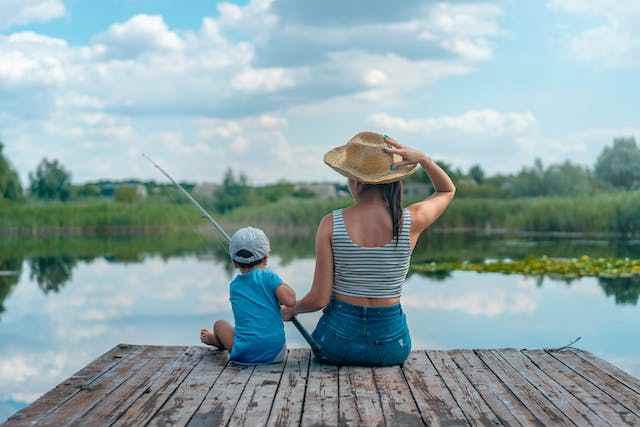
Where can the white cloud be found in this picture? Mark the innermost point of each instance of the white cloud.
(263, 80)
(20, 12)
(487, 122)
(615, 42)
(140, 34)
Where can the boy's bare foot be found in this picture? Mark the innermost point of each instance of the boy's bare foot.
(209, 338)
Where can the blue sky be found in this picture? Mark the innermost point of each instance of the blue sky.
(267, 86)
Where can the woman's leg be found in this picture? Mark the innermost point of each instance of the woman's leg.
(221, 336)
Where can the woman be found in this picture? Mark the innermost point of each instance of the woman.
(363, 253)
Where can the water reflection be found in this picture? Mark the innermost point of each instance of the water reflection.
(71, 299)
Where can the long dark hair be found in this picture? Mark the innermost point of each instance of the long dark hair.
(392, 194)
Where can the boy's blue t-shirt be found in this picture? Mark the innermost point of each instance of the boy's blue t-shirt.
(259, 327)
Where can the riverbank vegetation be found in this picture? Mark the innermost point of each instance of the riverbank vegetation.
(559, 198)
(603, 213)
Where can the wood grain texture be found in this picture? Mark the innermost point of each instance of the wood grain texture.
(109, 409)
(592, 396)
(436, 404)
(467, 397)
(221, 400)
(181, 406)
(610, 385)
(39, 409)
(254, 406)
(506, 406)
(543, 409)
(398, 405)
(359, 398)
(148, 404)
(289, 400)
(197, 386)
(321, 397)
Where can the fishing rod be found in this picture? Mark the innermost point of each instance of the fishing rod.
(312, 343)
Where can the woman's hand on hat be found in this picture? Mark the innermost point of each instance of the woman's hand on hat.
(410, 156)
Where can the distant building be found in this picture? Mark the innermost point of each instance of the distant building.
(320, 190)
(141, 191)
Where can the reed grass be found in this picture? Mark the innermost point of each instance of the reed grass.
(613, 213)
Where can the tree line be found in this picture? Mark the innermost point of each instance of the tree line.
(617, 168)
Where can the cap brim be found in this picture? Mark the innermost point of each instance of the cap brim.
(336, 160)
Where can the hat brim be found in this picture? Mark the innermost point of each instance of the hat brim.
(336, 160)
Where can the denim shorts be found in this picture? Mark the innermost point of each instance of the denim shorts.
(363, 336)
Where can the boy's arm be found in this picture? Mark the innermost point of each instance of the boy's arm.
(286, 296)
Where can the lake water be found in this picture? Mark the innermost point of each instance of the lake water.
(70, 300)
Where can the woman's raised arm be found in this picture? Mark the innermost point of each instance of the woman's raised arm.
(425, 212)
(320, 293)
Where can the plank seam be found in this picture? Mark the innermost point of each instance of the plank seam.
(560, 384)
(275, 393)
(404, 375)
(204, 396)
(375, 383)
(124, 410)
(540, 391)
(306, 384)
(637, 413)
(506, 386)
(479, 393)
(116, 387)
(95, 378)
(466, 417)
(244, 387)
(176, 387)
(608, 372)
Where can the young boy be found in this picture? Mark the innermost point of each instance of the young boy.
(256, 295)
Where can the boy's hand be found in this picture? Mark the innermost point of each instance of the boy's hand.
(288, 313)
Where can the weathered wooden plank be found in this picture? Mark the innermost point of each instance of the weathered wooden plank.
(90, 395)
(503, 403)
(630, 381)
(181, 406)
(601, 379)
(218, 405)
(573, 408)
(436, 404)
(582, 389)
(359, 398)
(68, 388)
(321, 397)
(287, 405)
(531, 397)
(468, 398)
(146, 406)
(109, 409)
(398, 406)
(254, 406)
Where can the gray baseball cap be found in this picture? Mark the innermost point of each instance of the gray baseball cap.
(252, 240)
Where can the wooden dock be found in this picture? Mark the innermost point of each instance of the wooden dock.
(150, 385)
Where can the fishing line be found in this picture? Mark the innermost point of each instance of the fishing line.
(312, 343)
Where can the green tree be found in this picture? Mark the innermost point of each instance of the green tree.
(477, 174)
(529, 181)
(51, 181)
(10, 186)
(567, 179)
(619, 165)
(234, 192)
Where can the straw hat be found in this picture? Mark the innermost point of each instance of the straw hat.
(363, 159)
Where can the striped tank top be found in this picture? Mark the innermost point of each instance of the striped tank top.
(373, 272)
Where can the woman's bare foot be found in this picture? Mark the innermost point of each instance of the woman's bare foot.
(209, 338)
